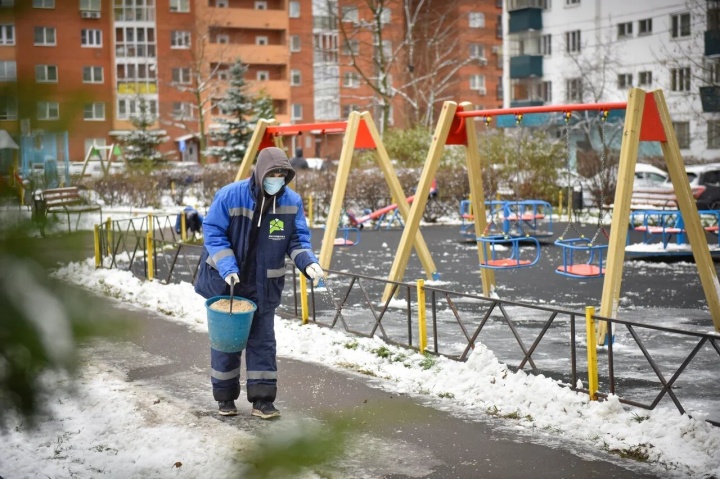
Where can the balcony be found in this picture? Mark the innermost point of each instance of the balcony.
(250, 54)
(524, 103)
(525, 20)
(712, 43)
(277, 89)
(247, 18)
(526, 66)
(710, 98)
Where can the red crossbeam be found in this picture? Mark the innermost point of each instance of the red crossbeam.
(544, 109)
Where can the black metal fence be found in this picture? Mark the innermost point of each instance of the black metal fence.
(642, 366)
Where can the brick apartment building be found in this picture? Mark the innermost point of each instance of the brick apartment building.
(81, 65)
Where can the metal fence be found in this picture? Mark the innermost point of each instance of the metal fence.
(541, 339)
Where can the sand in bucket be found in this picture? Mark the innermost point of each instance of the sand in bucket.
(229, 331)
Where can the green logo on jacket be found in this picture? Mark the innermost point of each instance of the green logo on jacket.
(276, 225)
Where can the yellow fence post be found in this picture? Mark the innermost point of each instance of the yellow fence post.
(183, 227)
(150, 259)
(310, 207)
(422, 327)
(591, 352)
(304, 312)
(98, 259)
(108, 232)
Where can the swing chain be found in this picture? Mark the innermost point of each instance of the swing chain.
(571, 223)
(489, 177)
(603, 179)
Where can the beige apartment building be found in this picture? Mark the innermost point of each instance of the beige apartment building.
(82, 65)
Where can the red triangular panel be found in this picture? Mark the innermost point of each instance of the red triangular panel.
(651, 129)
(457, 134)
(267, 141)
(364, 138)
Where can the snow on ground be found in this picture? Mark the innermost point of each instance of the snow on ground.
(87, 438)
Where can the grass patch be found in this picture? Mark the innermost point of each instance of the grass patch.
(382, 352)
(446, 395)
(638, 453)
(427, 362)
(351, 344)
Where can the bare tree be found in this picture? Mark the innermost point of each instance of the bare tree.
(199, 82)
(415, 61)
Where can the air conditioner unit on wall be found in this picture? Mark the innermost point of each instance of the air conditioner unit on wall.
(89, 14)
(496, 49)
(482, 91)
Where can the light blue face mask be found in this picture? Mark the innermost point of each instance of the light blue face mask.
(273, 185)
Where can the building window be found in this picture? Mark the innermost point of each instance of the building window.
(682, 132)
(48, 110)
(261, 40)
(680, 25)
(295, 45)
(90, 5)
(351, 47)
(129, 108)
(295, 78)
(476, 20)
(624, 80)
(645, 78)
(7, 3)
(713, 134)
(385, 16)
(183, 110)
(7, 34)
(499, 27)
(43, 4)
(680, 79)
(91, 38)
(294, 9)
(45, 36)
(221, 3)
(477, 51)
(296, 112)
(179, 39)
(94, 111)
(92, 74)
(350, 14)
(350, 80)
(573, 90)
(46, 73)
(260, 5)
(180, 6)
(222, 38)
(546, 91)
(499, 89)
(135, 42)
(624, 30)
(347, 109)
(546, 44)
(262, 75)
(181, 76)
(8, 71)
(572, 41)
(477, 82)
(645, 26)
(8, 108)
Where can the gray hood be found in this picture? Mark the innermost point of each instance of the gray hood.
(270, 159)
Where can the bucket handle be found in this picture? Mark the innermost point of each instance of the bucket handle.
(232, 292)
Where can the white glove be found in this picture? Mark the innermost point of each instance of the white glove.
(232, 278)
(314, 271)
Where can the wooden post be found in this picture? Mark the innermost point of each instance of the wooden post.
(412, 223)
(621, 211)
(252, 149)
(341, 178)
(477, 198)
(688, 209)
(396, 191)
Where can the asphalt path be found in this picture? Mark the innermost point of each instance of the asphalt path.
(401, 437)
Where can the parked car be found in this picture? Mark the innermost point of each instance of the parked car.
(646, 176)
(704, 184)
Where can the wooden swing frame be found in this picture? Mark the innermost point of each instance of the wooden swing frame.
(647, 119)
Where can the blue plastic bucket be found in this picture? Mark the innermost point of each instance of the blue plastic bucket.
(229, 331)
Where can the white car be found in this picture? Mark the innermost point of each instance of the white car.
(646, 176)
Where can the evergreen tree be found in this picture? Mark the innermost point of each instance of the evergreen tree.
(263, 108)
(235, 130)
(141, 145)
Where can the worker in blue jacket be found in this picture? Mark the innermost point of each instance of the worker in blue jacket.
(250, 228)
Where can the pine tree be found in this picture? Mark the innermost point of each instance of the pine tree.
(263, 108)
(141, 144)
(235, 130)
